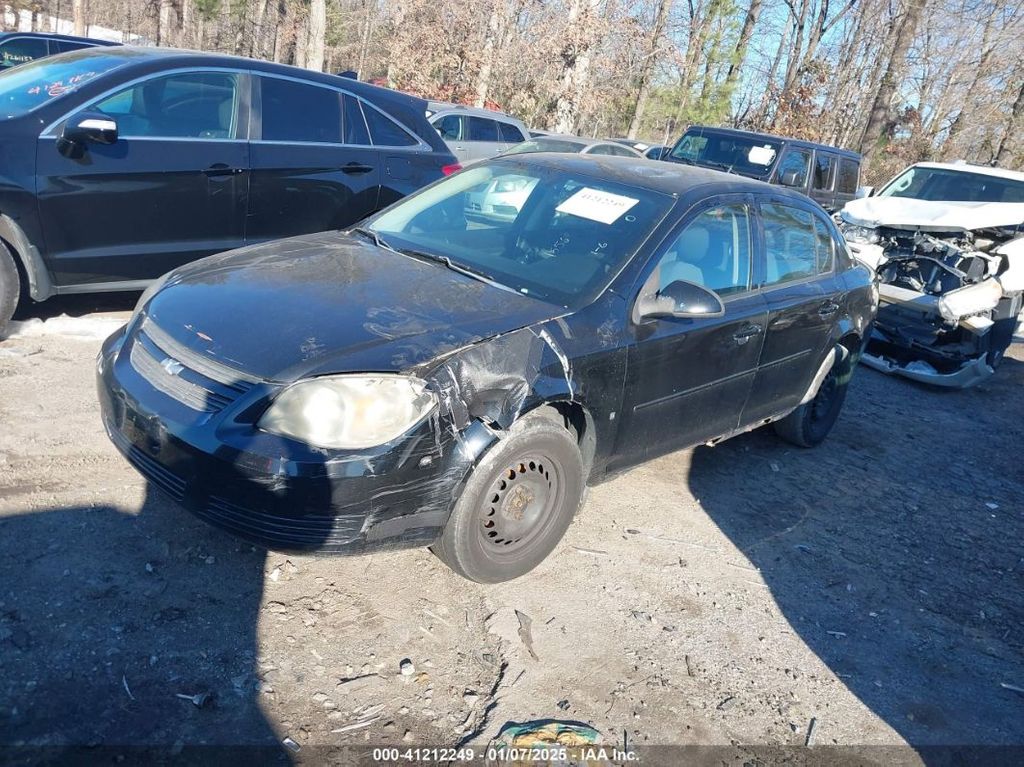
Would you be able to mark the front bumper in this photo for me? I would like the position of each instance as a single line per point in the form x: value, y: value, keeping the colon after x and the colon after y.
x: 270, y: 490
x: 970, y: 373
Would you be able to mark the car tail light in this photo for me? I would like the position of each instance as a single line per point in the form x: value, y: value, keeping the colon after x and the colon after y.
x: 450, y: 169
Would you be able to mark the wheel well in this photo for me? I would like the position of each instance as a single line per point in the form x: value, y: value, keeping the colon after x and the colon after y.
x: 574, y: 417
x: 18, y: 259
x: 852, y: 343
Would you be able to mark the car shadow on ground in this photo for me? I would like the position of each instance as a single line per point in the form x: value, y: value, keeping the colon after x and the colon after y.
x: 906, y: 583
x: 177, y: 678
x: 78, y: 305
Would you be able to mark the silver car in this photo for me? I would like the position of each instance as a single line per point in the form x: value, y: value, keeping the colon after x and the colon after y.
x: 558, y: 142
x: 475, y: 134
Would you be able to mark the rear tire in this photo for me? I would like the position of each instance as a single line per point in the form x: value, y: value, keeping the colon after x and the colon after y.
x: 517, y: 503
x: 10, y: 288
x: 809, y: 424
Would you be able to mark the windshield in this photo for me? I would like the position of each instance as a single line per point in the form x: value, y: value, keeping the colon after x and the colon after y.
x: 948, y: 185
x: 544, y: 232
x: 31, y: 85
x: 546, y: 145
x: 752, y: 156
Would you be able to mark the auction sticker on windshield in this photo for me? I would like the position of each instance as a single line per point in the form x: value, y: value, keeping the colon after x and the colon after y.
x: 596, y: 205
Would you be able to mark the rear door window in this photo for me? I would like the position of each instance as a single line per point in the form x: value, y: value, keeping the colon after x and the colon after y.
x: 824, y: 168
x: 293, y: 111
x: 356, y: 131
x: 63, y: 46
x: 482, y: 129
x: 846, y: 180
x: 797, y: 245
x: 797, y: 162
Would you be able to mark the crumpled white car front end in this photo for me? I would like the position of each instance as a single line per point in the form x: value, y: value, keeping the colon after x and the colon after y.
x: 951, y: 278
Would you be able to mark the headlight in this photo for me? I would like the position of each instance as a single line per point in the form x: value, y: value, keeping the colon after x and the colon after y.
x: 349, y: 411
x: 148, y: 293
x: 854, y: 233
x: 971, y: 299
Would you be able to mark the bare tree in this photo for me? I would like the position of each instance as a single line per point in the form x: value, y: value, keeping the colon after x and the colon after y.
x: 879, y: 116
x: 317, y: 32
x: 648, y: 64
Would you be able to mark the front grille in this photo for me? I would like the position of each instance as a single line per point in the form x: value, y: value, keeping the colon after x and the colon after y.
x: 166, y: 480
x: 184, y: 375
x: 308, y: 531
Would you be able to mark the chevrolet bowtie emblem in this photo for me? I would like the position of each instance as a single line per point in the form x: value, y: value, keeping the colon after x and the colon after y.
x: 172, y: 366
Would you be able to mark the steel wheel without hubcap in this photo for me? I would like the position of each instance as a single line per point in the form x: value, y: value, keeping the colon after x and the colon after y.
x: 520, y: 503
x: 516, y: 504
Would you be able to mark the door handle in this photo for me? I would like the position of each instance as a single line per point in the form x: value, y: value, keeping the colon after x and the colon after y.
x: 746, y: 332
x: 220, y: 169
x: 828, y: 309
x: 356, y: 167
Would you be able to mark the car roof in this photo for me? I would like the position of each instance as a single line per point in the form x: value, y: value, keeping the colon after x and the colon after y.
x: 444, y: 106
x: 137, y: 55
x: 55, y: 36
x: 772, y: 137
x: 985, y: 170
x: 668, y: 178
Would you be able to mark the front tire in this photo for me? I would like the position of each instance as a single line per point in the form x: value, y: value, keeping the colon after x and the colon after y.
x: 10, y: 288
x: 517, y: 503
x: 809, y: 424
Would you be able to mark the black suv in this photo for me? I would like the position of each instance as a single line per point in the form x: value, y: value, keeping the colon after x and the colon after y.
x: 120, y: 164
x: 826, y: 174
x: 22, y: 47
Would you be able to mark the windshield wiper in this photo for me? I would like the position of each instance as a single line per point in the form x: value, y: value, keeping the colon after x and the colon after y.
x: 468, y: 271
x: 373, y: 237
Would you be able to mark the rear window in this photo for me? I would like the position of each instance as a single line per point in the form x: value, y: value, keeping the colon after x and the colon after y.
x: 39, y: 82
x: 846, y: 181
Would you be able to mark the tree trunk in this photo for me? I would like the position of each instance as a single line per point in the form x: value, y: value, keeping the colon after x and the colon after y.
x: 483, y: 80
x: 647, y: 68
x: 739, y: 55
x: 165, y: 29
x: 880, y: 116
x: 1002, y: 157
x: 987, y: 49
x: 78, y: 12
x: 576, y: 64
x: 316, y: 35
x: 364, y: 42
x: 284, y: 38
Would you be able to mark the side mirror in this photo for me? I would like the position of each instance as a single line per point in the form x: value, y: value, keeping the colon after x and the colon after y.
x: 86, y: 128
x: 864, y: 191
x: 790, y: 178
x: 681, y: 299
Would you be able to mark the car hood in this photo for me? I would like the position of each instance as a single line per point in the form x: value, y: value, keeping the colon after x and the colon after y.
x: 908, y: 213
x: 331, y: 303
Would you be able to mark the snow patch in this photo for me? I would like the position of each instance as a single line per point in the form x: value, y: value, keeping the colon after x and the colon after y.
x: 84, y: 328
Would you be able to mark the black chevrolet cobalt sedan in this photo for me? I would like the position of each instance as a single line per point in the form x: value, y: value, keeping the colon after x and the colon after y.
x: 454, y: 371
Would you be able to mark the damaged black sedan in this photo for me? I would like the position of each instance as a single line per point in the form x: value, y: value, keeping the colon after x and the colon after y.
x: 453, y: 372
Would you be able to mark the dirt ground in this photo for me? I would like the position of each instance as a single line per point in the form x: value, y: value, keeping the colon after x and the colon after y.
x: 720, y: 596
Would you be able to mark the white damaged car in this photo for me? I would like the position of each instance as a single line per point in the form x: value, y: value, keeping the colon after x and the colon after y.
x: 947, y: 244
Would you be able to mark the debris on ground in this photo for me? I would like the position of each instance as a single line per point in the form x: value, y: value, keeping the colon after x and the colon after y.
x: 546, y: 732
x: 291, y: 745
x: 406, y: 667
x: 198, y: 700
x: 525, y: 632
x: 810, y: 731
